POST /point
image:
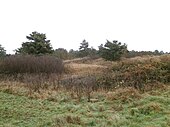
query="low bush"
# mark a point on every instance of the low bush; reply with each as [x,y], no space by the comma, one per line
[81,85]
[137,73]
[36,72]
[19,64]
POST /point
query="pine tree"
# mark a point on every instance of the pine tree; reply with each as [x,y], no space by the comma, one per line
[36,45]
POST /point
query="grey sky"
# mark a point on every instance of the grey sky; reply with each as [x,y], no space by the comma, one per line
[141,24]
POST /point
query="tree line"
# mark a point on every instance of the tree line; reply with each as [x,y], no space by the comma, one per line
[38,44]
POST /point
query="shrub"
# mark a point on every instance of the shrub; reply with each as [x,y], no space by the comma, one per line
[61,53]
[81,85]
[36,72]
[112,51]
[20,64]
[138,73]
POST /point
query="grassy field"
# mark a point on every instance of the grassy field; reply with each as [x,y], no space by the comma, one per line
[120,108]
[20,106]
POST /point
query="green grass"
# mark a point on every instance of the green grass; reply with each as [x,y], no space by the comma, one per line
[152,110]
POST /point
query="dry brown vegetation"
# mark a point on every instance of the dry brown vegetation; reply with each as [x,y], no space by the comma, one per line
[91,93]
[82,79]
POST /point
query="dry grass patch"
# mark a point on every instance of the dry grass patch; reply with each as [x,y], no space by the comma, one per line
[79,69]
[124,94]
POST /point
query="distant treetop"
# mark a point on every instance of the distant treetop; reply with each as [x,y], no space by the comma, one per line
[2,51]
[36,45]
[112,50]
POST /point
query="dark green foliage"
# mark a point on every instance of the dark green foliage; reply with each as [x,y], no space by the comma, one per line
[84,45]
[133,53]
[36,45]
[112,50]
[2,51]
[73,54]
[84,50]
[93,53]
[19,64]
[61,53]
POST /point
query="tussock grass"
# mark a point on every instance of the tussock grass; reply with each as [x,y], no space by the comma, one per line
[124,94]
[60,109]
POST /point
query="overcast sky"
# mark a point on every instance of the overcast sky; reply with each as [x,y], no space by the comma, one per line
[141,24]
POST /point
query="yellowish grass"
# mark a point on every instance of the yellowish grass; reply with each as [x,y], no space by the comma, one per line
[80,69]
[165,57]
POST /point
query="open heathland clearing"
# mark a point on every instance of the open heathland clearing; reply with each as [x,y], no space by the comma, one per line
[145,103]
